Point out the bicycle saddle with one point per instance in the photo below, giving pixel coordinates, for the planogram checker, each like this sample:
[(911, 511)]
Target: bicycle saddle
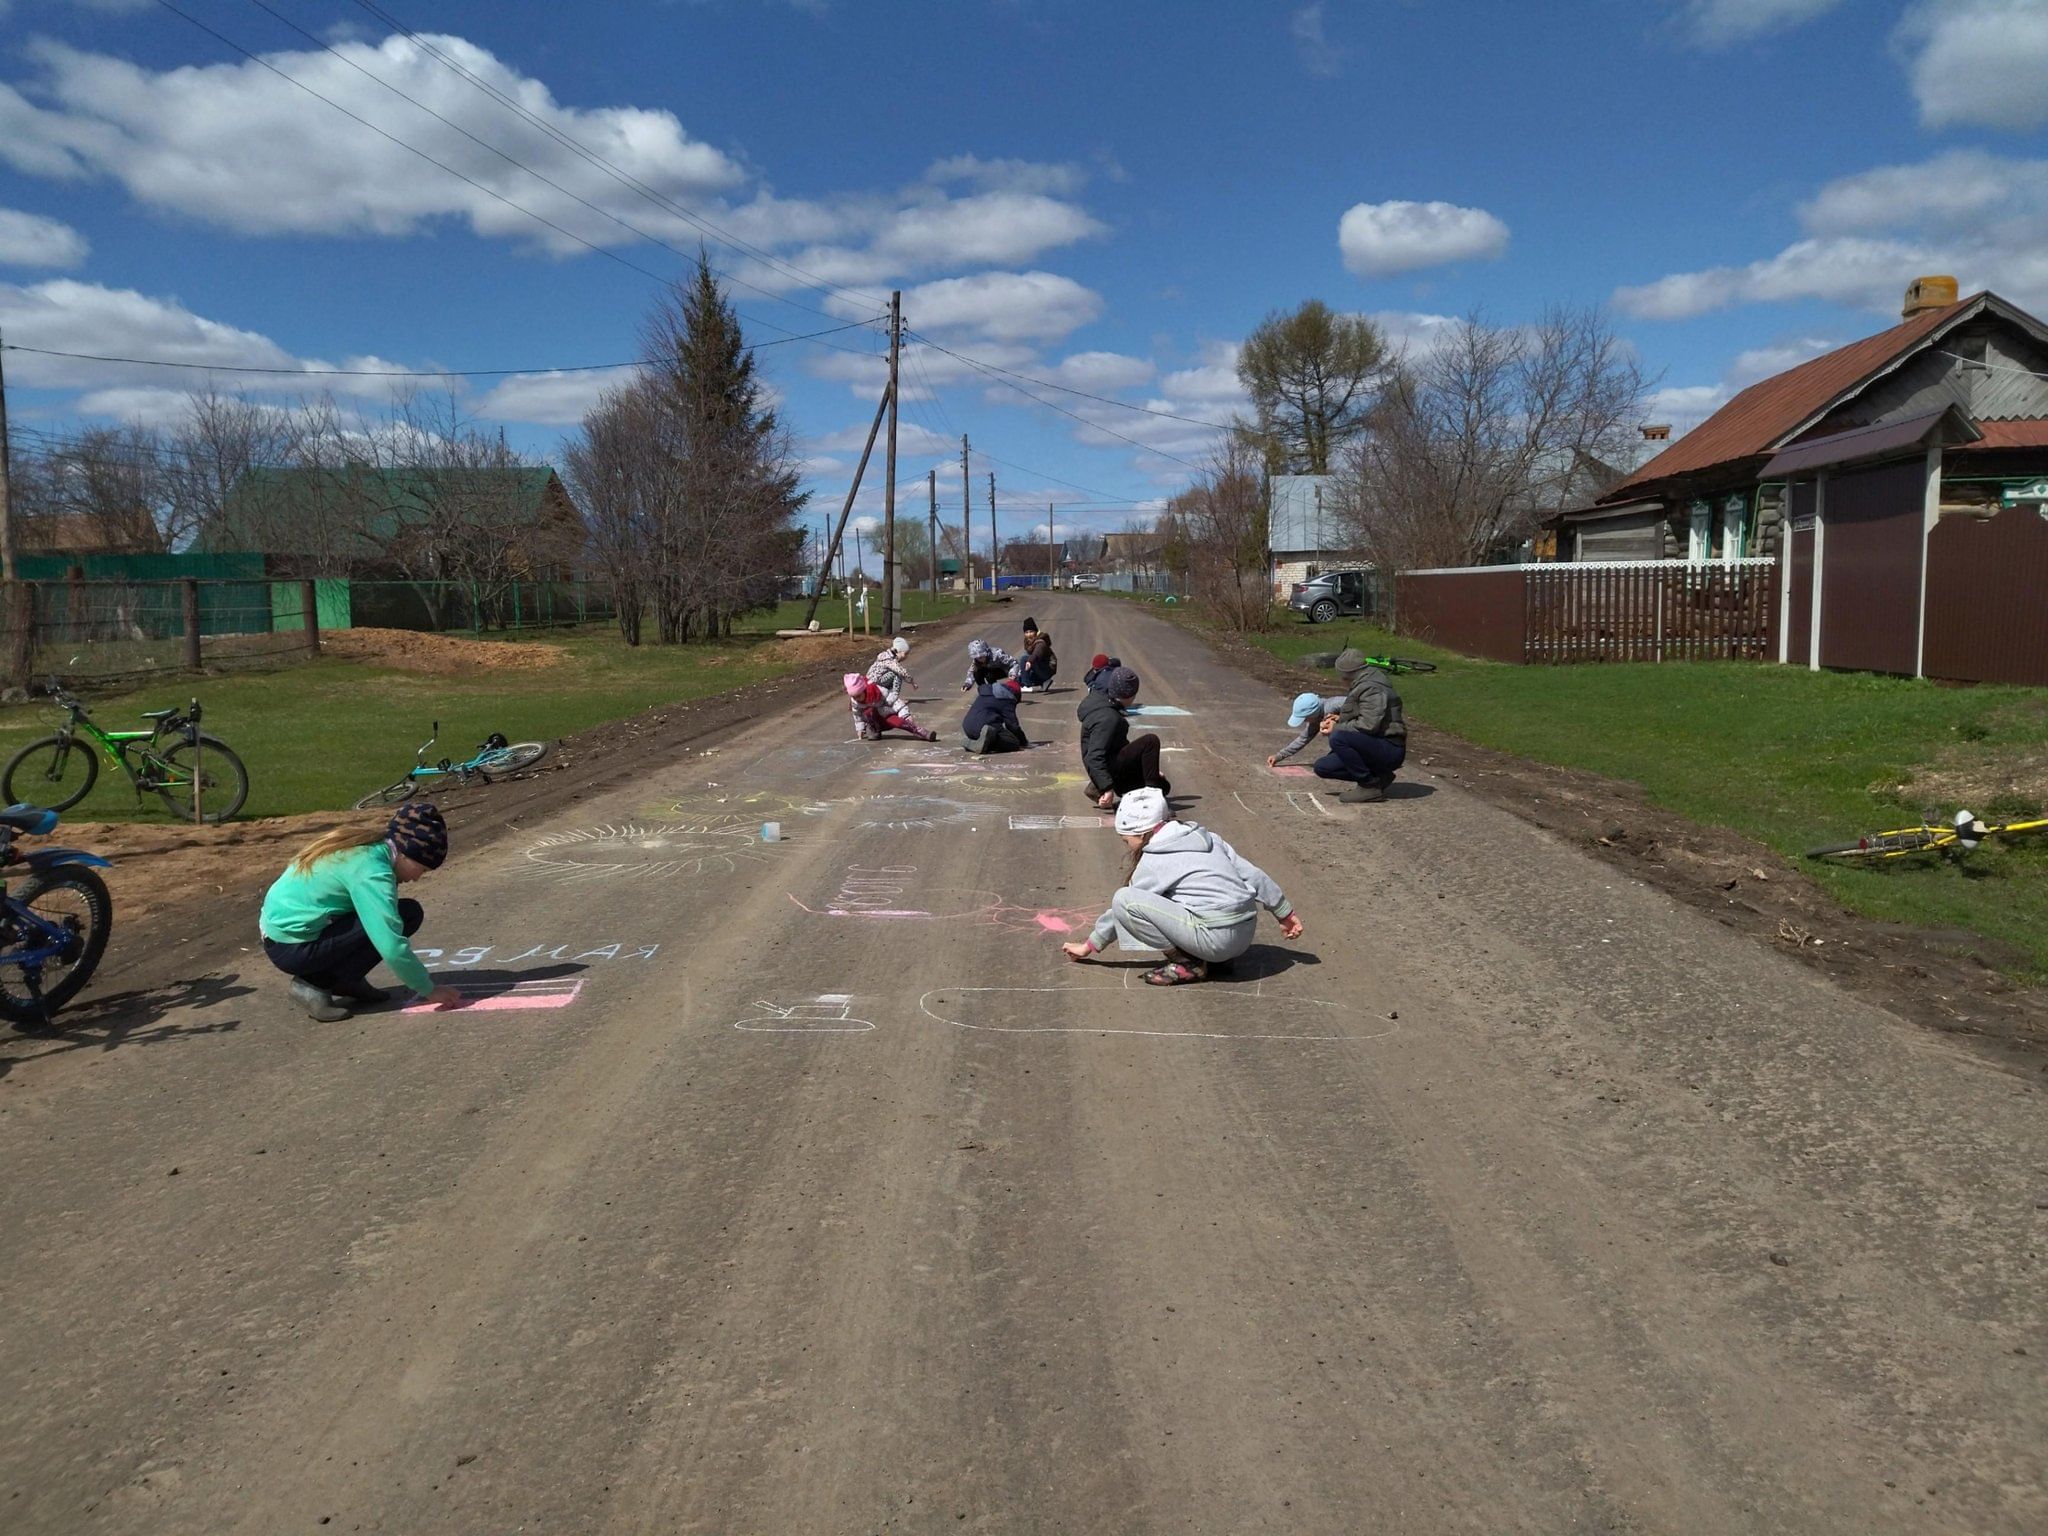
[(32, 819), (158, 714)]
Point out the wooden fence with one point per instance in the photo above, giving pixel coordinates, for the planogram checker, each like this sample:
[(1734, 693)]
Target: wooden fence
[(1649, 610)]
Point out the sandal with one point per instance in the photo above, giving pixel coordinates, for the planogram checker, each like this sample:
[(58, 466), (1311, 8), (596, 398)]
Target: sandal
[(1174, 972)]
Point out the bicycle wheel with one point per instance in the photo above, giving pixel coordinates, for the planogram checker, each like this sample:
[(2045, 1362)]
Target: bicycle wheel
[(1886, 845), (521, 754), (54, 773), (223, 783), (390, 794), (1409, 664), (72, 898)]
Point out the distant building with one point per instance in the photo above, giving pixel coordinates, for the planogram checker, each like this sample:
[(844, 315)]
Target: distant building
[(89, 533), (1304, 534)]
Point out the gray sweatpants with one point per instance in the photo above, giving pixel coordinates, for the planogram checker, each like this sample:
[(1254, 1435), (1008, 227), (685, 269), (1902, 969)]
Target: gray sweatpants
[(1145, 921)]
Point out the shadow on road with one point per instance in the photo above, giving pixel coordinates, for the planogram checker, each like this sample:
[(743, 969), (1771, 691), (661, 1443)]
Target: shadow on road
[(125, 1018), (1403, 789), (1262, 961)]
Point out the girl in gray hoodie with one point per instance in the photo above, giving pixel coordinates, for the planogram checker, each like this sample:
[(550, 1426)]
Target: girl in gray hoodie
[(1189, 893)]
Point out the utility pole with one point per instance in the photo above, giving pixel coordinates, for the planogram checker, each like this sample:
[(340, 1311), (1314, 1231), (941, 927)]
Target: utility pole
[(966, 521), (1052, 563), (6, 506), (837, 544), (995, 558), (892, 614), (932, 532)]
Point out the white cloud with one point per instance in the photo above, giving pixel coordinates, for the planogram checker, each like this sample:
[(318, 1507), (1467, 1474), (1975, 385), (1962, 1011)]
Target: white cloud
[(1379, 239), (30, 240), (1319, 56), (1718, 23), (1979, 62), (1977, 216), (1100, 371), (1685, 404), (1054, 180), (235, 145), (69, 316), (551, 399), (910, 438), (1008, 306)]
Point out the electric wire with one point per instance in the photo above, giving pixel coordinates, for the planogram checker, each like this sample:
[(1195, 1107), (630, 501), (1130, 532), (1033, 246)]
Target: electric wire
[(1067, 389), (490, 192), (625, 178), (485, 144)]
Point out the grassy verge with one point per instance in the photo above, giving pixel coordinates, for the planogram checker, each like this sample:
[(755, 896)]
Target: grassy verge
[(1788, 757), (918, 608), (317, 735)]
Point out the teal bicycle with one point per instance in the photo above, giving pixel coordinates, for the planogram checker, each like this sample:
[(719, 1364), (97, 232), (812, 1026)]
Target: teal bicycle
[(494, 759), (197, 776)]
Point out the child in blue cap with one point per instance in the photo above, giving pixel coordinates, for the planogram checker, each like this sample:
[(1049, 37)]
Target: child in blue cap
[(1306, 718)]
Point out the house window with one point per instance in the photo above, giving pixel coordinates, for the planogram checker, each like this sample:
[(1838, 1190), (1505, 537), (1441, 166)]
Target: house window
[(1699, 542), (1731, 528)]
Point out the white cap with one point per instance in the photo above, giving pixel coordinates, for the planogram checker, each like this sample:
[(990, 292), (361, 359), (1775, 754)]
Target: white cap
[(1140, 811), (900, 646)]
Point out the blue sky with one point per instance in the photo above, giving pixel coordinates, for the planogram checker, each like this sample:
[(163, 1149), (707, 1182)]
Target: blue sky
[(1106, 196)]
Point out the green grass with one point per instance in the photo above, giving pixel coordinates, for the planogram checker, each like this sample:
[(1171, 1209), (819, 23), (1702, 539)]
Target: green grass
[(1789, 757), (317, 735), (918, 608)]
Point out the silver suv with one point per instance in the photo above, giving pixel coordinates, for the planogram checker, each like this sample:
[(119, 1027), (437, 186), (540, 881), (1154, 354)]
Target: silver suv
[(1333, 595)]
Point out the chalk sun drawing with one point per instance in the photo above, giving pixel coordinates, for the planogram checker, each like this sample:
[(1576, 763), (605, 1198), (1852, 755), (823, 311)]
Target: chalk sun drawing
[(1228, 1013), (1058, 823), (712, 804), (647, 850), (914, 813)]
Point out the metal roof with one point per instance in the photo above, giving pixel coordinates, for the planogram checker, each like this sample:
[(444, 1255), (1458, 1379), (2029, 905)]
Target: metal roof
[(1862, 445), (2029, 432), (1765, 414)]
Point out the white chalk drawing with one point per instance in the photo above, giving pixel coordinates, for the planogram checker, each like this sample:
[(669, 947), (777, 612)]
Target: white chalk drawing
[(713, 804), (467, 955), (1305, 803), (914, 813), (1058, 823), (1133, 1008), (829, 1013), (880, 902), (1154, 711), (648, 850)]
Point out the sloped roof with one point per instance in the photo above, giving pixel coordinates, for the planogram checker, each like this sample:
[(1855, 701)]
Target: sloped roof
[(89, 533), (1765, 414), (384, 499), (2021, 432)]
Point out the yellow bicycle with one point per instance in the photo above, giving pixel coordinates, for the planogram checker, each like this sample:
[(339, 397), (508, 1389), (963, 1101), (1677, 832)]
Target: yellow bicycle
[(1958, 836)]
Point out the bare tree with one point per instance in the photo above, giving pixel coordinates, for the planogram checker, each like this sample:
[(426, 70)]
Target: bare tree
[(1479, 439), (1312, 375), (1221, 524), (106, 485), (217, 441)]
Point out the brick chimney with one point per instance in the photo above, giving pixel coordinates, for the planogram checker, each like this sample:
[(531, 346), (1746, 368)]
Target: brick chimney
[(1925, 293), (1657, 432)]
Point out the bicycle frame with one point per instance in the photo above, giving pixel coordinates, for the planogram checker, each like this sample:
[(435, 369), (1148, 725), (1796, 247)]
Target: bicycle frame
[(114, 745)]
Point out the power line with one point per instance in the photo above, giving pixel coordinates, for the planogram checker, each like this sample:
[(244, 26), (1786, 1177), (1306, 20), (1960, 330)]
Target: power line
[(490, 192), (398, 373), (1065, 389), (625, 178), (482, 143)]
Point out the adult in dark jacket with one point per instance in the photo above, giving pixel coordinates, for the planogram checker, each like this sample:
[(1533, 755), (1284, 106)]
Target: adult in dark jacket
[(991, 724), (1038, 664), (1366, 735), (1116, 761)]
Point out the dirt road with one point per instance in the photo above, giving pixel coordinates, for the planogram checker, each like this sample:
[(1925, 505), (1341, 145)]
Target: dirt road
[(804, 1187)]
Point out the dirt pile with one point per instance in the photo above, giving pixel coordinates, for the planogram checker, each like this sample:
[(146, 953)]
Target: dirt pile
[(441, 655), (177, 871)]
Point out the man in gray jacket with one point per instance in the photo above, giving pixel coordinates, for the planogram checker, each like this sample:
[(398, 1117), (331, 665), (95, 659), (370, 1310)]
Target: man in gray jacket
[(1366, 737)]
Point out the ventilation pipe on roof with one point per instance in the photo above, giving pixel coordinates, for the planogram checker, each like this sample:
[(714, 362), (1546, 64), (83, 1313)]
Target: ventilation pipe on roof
[(1657, 432), (1925, 293)]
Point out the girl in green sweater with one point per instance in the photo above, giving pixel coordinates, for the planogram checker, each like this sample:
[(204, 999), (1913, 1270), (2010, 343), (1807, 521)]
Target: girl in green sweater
[(335, 912)]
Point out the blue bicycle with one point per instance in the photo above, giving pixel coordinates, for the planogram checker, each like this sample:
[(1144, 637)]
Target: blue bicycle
[(53, 926), (494, 759)]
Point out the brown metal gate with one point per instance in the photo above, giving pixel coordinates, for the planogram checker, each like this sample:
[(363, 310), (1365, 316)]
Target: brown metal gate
[(1870, 568), (1987, 598), (1799, 577)]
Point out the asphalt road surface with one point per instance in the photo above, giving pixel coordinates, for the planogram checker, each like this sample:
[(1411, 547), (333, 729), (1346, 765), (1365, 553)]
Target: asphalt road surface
[(805, 1187)]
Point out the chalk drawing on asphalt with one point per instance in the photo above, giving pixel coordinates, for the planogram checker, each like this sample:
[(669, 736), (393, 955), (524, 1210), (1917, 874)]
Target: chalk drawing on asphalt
[(1155, 711), (1058, 823), (466, 956), (715, 803), (647, 850), (491, 997), (1212, 1011), (829, 1013), (914, 813), (1294, 771)]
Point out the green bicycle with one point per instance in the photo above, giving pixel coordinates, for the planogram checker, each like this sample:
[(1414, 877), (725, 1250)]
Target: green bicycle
[(1393, 664), (199, 778)]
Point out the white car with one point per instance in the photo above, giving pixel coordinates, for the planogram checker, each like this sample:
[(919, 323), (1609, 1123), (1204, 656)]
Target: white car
[(1085, 581)]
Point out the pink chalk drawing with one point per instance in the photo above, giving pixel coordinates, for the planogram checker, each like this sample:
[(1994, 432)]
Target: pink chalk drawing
[(1295, 771), (485, 997), (1052, 922)]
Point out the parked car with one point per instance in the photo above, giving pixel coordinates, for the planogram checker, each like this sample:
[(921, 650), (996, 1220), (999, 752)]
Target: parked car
[(1333, 595), (1084, 581)]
